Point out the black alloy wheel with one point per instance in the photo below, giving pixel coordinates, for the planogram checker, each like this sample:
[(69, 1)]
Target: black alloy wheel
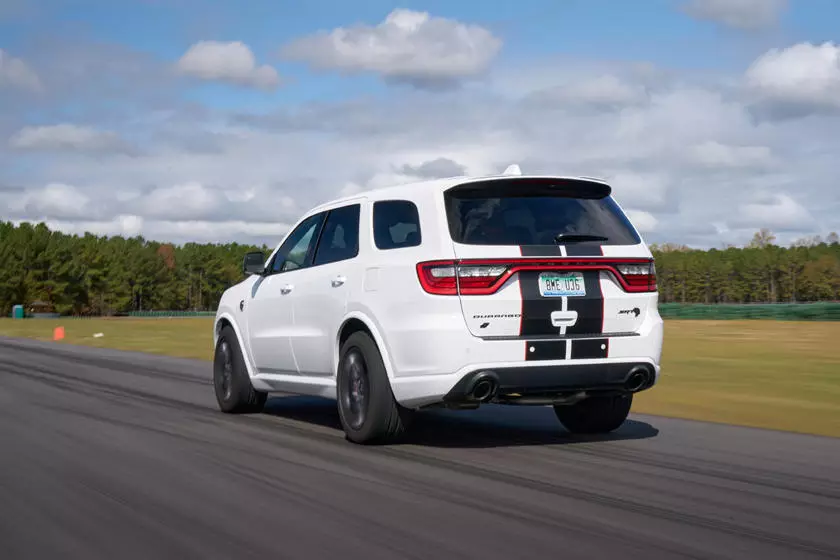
[(356, 388), (233, 388)]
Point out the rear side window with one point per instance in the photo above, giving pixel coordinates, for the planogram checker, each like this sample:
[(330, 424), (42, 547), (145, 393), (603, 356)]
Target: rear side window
[(396, 224), (340, 238), (535, 212)]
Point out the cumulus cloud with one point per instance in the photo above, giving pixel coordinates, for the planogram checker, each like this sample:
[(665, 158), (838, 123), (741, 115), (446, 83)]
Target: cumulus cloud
[(796, 81), (715, 155), (435, 169), (56, 200), (68, 137), (231, 62), (742, 14), (686, 158), (650, 191), (408, 46), (15, 73), (778, 211), (645, 222), (602, 92)]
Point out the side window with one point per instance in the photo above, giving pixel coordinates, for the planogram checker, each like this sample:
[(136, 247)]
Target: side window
[(396, 224), (340, 239), (297, 247)]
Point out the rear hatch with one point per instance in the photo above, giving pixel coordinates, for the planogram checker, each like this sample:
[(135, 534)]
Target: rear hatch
[(543, 258)]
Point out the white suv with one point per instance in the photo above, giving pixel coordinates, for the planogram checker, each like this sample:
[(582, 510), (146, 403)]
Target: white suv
[(527, 290)]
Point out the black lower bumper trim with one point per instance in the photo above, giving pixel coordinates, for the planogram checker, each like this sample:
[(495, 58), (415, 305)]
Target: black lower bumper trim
[(564, 378)]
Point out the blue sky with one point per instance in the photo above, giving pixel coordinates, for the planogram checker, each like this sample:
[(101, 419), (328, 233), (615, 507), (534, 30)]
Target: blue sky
[(110, 109)]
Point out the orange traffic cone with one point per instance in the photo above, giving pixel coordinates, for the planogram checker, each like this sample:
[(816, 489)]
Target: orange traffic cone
[(58, 333)]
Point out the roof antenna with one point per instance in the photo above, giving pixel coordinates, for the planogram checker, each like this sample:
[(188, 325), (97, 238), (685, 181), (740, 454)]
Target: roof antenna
[(512, 170)]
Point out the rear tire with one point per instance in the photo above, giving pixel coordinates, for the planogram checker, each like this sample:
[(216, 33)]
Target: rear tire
[(234, 391), (366, 405), (595, 415)]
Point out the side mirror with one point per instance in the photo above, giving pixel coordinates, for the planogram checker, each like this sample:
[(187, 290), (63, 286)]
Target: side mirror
[(254, 263)]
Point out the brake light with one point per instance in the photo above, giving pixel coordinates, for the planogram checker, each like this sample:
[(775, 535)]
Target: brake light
[(639, 277), (484, 277), (439, 277)]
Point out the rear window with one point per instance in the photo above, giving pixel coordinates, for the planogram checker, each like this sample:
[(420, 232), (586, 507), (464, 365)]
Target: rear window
[(535, 212)]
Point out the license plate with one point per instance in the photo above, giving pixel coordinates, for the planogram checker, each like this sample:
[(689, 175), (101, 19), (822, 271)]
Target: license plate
[(555, 284)]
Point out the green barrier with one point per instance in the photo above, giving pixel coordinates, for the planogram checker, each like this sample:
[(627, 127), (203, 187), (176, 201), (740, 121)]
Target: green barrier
[(821, 311)]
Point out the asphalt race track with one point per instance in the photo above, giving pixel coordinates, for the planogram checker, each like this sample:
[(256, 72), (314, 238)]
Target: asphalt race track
[(116, 455)]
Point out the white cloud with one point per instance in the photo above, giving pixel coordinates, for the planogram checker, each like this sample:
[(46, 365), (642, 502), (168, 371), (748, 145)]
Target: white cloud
[(408, 46), (56, 200), (643, 191), (715, 155), (231, 62), (604, 91), (15, 73), (798, 80), (185, 201), (437, 168), (645, 222), (742, 14), (777, 212), (683, 159), (67, 137)]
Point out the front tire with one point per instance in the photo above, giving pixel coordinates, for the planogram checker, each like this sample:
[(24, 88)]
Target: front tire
[(366, 405), (595, 415), (234, 391)]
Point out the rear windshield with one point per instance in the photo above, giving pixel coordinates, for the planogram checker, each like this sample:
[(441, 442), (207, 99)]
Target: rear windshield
[(535, 212)]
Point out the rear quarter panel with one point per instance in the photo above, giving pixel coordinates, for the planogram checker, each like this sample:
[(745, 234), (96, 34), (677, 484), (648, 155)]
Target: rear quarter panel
[(415, 327)]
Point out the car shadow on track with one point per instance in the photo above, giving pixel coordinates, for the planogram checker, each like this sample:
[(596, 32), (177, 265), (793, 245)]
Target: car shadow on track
[(489, 426)]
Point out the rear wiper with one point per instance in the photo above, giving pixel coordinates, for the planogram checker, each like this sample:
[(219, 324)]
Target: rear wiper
[(565, 237)]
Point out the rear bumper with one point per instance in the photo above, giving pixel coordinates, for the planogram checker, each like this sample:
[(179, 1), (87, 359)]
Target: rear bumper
[(561, 379), (516, 381), (429, 358)]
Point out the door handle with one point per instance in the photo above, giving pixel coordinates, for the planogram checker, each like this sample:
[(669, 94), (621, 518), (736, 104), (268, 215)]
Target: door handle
[(286, 289), (338, 281)]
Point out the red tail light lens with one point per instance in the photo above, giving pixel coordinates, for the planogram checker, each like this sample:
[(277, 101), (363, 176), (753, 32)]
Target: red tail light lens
[(480, 277), (639, 277), (439, 277)]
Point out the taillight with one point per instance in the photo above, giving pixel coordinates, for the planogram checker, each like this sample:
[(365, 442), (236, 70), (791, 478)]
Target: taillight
[(439, 277), (484, 277), (639, 277)]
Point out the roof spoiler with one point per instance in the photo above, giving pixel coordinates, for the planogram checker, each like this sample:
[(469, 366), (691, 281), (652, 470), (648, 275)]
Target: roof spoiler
[(503, 187)]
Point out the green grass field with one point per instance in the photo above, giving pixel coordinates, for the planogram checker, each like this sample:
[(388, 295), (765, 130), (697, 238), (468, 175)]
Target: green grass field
[(782, 375)]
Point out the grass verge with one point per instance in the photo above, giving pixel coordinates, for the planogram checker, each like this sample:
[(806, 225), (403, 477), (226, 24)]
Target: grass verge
[(781, 375), (180, 337)]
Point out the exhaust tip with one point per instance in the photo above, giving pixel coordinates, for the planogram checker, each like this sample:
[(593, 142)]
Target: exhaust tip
[(483, 387), (637, 379)]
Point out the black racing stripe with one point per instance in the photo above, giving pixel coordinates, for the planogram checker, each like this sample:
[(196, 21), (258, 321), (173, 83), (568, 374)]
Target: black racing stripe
[(590, 308), (536, 310), (545, 350), (584, 250), (540, 251), (590, 348)]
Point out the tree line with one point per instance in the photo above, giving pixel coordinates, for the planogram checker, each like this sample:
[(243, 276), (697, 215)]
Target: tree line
[(98, 275)]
